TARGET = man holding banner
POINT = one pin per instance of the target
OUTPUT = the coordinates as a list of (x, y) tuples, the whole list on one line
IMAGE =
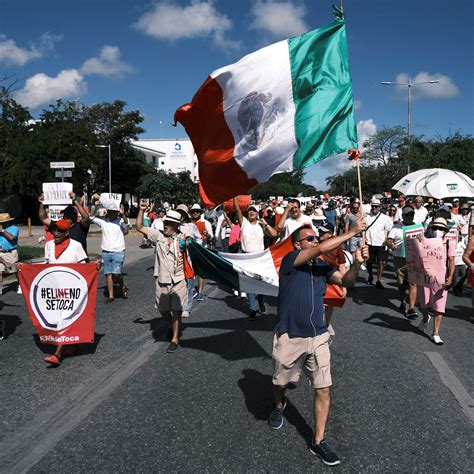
[(301, 340), (61, 299)]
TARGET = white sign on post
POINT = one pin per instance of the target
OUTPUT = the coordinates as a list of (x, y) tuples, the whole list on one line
[(110, 201), (61, 164), (57, 193)]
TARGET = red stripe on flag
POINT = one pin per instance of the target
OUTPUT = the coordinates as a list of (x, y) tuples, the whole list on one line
[(204, 121)]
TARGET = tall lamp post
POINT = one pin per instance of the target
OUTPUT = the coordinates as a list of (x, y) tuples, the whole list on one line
[(408, 85), (110, 164)]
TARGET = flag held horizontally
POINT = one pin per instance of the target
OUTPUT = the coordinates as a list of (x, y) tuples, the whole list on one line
[(281, 108)]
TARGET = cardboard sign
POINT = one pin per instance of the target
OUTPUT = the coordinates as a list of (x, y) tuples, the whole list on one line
[(61, 300), (410, 232), (57, 193), (55, 212), (110, 201), (426, 262)]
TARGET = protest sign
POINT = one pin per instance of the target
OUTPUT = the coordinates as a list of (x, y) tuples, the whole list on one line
[(54, 212), (61, 301), (410, 232), (57, 193), (426, 262), (110, 201)]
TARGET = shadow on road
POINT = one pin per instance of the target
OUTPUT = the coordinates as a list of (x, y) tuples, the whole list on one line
[(83, 349), (11, 323), (257, 390), (157, 327)]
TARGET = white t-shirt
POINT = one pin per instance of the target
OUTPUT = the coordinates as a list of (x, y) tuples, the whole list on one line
[(460, 248), (292, 224), (74, 253), (377, 233), (366, 208), (157, 224), (112, 234), (251, 237), (396, 233), (420, 215)]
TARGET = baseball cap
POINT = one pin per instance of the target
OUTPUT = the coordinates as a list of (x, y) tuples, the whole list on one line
[(446, 207), (408, 210), (252, 207), (324, 229), (63, 225)]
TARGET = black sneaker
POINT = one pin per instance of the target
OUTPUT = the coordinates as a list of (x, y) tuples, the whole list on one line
[(276, 416), (262, 309), (370, 279), (412, 314), (379, 285), (402, 308), (324, 452), (253, 315)]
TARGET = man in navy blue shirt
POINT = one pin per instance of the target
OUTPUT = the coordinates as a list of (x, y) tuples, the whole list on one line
[(301, 340)]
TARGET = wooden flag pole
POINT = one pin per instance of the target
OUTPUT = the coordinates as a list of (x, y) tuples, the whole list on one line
[(354, 154)]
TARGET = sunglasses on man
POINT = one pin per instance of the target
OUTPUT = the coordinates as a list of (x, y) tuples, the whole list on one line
[(310, 238)]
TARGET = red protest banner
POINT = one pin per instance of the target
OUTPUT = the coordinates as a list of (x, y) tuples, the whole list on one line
[(61, 301)]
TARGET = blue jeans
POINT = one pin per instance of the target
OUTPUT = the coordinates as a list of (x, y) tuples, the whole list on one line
[(252, 299), (190, 284)]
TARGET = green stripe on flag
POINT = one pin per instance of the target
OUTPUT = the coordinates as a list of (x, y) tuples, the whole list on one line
[(322, 93), (210, 266)]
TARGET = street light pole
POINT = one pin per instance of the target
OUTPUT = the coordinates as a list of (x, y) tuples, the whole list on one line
[(109, 146), (408, 85)]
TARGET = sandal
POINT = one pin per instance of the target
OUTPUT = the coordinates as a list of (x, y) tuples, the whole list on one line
[(53, 359), (109, 300), (124, 292)]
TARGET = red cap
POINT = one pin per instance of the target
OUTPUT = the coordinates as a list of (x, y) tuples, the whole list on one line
[(63, 224), (401, 198)]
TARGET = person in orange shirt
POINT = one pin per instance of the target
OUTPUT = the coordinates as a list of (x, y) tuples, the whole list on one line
[(336, 259)]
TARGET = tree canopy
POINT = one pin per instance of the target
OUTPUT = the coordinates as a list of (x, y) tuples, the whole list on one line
[(283, 184)]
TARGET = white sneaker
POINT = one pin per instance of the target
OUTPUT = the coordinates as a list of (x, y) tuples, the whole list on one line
[(363, 267), (185, 314), (18, 291), (331, 330), (437, 340), (423, 325), (236, 293), (243, 294)]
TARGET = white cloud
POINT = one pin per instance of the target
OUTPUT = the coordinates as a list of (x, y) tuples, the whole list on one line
[(279, 19), (198, 19), (445, 89), (10, 53), (41, 89), (107, 64)]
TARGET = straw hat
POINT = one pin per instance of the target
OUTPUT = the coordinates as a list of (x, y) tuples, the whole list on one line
[(5, 217), (173, 216), (183, 210), (196, 207), (440, 222)]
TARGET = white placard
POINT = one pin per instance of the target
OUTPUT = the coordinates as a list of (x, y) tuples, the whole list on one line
[(55, 212), (110, 201), (61, 164), (57, 193)]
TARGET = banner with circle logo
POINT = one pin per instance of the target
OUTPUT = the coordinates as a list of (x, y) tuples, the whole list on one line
[(61, 300)]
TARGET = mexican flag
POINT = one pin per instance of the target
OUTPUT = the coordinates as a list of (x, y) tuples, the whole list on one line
[(250, 272), (281, 108)]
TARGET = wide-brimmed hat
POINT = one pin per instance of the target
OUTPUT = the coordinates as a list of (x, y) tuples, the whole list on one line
[(375, 202), (173, 216), (464, 206), (5, 217), (196, 207), (440, 222), (183, 210)]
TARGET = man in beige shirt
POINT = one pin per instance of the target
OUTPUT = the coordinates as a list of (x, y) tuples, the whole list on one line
[(171, 290)]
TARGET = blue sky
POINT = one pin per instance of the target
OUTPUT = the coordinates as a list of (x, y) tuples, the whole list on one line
[(155, 55)]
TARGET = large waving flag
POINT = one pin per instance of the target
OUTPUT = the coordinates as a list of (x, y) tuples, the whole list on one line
[(281, 108), (250, 272)]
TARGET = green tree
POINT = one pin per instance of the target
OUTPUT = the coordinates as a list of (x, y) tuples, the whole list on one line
[(162, 186), (283, 184)]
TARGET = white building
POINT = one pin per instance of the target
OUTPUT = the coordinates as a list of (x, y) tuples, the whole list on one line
[(173, 155)]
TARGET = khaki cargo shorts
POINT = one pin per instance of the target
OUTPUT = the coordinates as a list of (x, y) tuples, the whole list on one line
[(171, 297), (8, 259), (291, 355), (401, 270)]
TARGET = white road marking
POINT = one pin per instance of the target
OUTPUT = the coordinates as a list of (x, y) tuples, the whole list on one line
[(29, 444), (452, 382)]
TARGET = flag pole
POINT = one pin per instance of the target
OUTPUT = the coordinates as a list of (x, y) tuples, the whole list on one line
[(354, 154)]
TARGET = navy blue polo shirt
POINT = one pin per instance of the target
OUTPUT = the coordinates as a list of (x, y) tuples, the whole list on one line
[(300, 297)]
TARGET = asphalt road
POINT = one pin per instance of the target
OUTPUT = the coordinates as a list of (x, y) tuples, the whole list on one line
[(125, 405)]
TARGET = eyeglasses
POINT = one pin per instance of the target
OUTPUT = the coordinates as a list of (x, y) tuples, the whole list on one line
[(374, 207), (439, 228), (310, 238)]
